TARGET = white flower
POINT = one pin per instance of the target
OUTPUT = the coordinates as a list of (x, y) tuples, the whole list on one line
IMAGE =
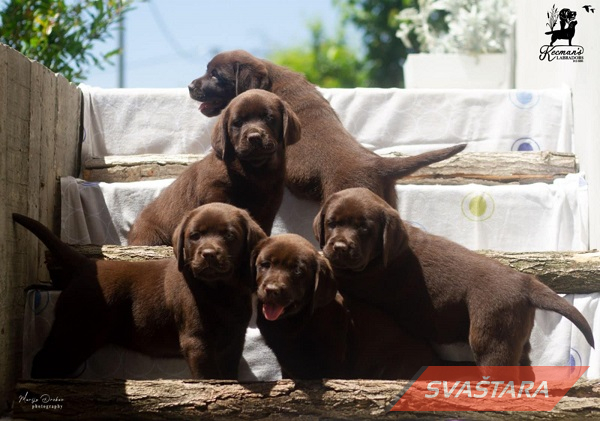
[(473, 26)]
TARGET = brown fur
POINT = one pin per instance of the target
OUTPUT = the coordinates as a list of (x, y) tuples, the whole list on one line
[(433, 287), (246, 168), (328, 159), (196, 305), (316, 333)]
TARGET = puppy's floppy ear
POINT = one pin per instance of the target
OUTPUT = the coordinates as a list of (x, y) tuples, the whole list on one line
[(251, 75), (253, 256), (319, 226), (179, 242), (220, 140), (395, 238), (325, 285), (254, 233), (291, 124)]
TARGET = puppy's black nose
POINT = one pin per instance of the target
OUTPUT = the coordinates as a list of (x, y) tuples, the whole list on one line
[(272, 290), (254, 138), (209, 254), (340, 246)]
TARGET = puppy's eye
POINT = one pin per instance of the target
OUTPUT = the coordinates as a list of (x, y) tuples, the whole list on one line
[(331, 224), (265, 264), (364, 228), (229, 236), (298, 272), (268, 117), (195, 235), (237, 123)]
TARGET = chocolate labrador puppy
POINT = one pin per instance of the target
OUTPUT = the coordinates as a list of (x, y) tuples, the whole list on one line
[(328, 158), (246, 168), (431, 286), (196, 305), (314, 332)]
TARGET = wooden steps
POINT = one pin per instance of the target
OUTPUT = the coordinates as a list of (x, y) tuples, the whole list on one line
[(565, 272)]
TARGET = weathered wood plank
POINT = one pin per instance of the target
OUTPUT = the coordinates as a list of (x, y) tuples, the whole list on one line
[(15, 259), (6, 352), (496, 168), (284, 399), (481, 167), (564, 272)]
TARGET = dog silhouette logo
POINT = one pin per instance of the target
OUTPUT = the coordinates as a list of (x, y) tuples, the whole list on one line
[(567, 24), (561, 45)]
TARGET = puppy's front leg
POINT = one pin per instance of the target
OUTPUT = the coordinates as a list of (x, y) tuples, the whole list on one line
[(200, 357)]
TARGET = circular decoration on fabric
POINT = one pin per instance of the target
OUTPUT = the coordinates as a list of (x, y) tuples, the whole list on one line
[(575, 358), (524, 99), (416, 225), (478, 206), (40, 301), (525, 144)]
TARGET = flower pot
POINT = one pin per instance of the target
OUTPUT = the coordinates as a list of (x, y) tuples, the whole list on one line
[(484, 71)]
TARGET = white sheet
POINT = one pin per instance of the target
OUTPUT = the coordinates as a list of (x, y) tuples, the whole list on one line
[(167, 121), (535, 217)]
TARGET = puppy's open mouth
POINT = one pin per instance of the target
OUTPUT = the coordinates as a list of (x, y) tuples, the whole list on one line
[(213, 107), (272, 311)]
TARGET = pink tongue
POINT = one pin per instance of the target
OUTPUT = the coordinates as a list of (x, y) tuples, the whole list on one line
[(272, 311), (204, 106)]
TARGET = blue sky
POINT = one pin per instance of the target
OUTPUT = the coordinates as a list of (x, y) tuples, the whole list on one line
[(168, 43)]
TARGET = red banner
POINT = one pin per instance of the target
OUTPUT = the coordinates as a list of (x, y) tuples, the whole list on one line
[(488, 388)]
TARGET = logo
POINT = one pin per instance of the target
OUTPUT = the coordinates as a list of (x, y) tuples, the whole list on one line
[(487, 388), (40, 402), (560, 46)]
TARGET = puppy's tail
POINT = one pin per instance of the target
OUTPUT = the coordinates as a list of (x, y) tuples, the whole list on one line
[(62, 252), (544, 298), (402, 166)]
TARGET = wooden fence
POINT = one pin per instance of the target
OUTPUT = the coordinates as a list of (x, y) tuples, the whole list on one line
[(39, 137)]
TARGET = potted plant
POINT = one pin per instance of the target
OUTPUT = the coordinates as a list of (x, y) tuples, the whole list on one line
[(462, 43)]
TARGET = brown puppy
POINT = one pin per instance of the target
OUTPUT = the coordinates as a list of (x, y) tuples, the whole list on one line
[(433, 287), (196, 305), (246, 168), (328, 158), (314, 332)]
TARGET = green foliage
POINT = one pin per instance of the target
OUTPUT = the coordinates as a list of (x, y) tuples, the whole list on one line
[(326, 62), (61, 34), (385, 53)]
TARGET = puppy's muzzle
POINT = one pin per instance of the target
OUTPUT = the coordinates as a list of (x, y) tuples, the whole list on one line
[(275, 300), (339, 250), (257, 147), (211, 262)]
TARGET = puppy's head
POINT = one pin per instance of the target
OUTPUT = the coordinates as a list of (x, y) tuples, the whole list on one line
[(213, 242), (227, 75), (255, 127), (355, 227), (291, 276)]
